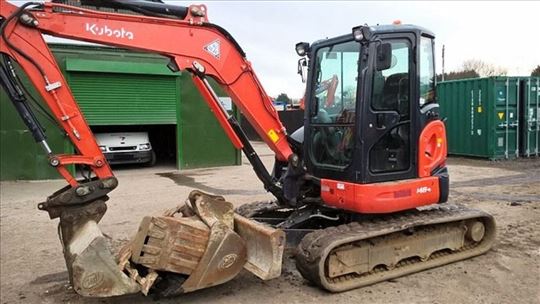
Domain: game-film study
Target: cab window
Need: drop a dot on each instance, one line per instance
(334, 104)
(391, 86)
(427, 72)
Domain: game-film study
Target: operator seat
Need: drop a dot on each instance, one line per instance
(396, 93)
(325, 139)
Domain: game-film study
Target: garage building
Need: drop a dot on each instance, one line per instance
(120, 90)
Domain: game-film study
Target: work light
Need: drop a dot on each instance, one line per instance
(302, 48)
(361, 33)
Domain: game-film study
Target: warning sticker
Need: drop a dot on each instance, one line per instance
(501, 115)
(273, 135)
(214, 48)
(479, 109)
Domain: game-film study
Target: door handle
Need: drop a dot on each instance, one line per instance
(380, 124)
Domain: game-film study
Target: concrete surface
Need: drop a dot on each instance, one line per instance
(33, 269)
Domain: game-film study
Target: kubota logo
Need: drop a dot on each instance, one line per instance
(109, 32)
(227, 261)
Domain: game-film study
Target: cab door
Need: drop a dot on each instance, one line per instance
(331, 119)
(388, 132)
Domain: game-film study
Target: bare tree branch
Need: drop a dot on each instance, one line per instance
(536, 71)
(483, 69)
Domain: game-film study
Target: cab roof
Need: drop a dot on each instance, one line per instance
(384, 29)
(398, 28)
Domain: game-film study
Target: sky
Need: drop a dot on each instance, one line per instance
(498, 32)
(502, 33)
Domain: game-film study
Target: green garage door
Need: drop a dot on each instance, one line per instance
(122, 95)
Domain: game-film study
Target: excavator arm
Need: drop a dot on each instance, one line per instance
(192, 44)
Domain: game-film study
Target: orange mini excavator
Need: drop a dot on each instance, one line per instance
(360, 189)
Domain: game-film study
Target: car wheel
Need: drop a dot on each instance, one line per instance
(152, 161)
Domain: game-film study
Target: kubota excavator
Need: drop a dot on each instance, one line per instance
(360, 189)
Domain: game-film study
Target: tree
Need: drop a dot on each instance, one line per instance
(458, 75)
(284, 97)
(474, 68)
(536, 71)
(482, 68)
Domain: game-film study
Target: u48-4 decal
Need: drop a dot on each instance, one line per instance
(423, 190)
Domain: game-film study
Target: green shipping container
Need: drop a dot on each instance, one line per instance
(485, 116)
(530, 112)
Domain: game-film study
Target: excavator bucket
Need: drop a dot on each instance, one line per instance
(206, 243)
(93, 269)
(264, 244)
(265, 247)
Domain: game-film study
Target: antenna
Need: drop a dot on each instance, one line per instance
(443, 62)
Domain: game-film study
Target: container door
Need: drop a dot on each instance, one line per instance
(478, 131)
(467, 105)
(531, 114)
(537, 121)
(527, 123)
(507, 117)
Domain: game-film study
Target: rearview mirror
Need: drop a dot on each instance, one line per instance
(302, 68)
(384, 56)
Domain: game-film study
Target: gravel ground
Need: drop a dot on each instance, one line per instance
(33, 269)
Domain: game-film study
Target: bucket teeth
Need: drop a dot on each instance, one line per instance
(165, 254)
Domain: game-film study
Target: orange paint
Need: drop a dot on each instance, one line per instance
(432, 148)
(385, 197)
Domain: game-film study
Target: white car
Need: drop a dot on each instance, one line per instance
(126, 148)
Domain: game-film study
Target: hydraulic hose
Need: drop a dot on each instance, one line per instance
(17, 13)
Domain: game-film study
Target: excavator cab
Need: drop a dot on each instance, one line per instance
(374, 120)
(365, 127)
